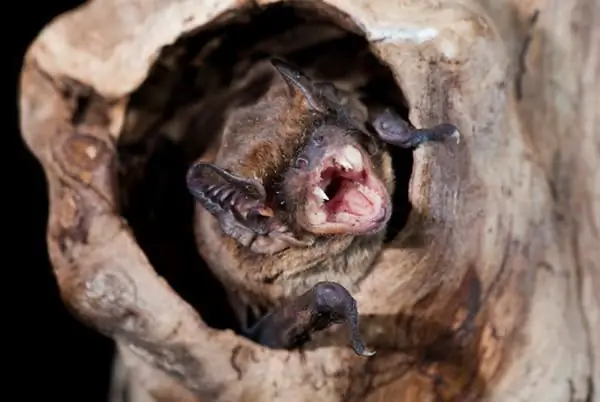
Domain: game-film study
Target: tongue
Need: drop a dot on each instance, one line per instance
(355, 202)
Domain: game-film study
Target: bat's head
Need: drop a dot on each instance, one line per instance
(335, 183)
(322, 172)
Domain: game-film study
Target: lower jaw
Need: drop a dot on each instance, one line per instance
(377, 224)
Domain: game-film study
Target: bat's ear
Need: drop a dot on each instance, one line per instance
(227, 196)
(217, 189)
(239, 205)
(300, 84)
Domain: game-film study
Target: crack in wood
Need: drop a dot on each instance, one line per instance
(522, 67)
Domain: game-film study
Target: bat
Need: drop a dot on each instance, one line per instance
(295, 192)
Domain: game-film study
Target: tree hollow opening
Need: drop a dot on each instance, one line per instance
(182, 104)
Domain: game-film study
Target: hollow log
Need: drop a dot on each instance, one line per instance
(489, 292)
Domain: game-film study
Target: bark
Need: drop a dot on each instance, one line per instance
(488, 293)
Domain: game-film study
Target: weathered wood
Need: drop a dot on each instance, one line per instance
(488, 293)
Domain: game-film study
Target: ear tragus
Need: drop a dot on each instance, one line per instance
(299, 82)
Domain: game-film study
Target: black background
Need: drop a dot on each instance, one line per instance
(53, 355)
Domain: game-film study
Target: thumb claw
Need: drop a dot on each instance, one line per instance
(367, 353)
(360, 349)
(456, 134)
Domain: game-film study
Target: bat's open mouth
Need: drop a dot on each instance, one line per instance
(345, 196)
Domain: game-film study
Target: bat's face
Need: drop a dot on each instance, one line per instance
(334, 185)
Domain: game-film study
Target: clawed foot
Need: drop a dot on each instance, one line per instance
(292, 323)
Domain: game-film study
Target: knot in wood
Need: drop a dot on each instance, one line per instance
(108, 298)
(84, 153)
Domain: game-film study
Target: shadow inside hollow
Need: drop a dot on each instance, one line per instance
(160, 212)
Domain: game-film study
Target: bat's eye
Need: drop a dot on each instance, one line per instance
(371, 147)
(318, 139)
(301, 163)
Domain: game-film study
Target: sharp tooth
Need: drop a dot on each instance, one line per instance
(318, 191)
(345, 164)
(353, 156)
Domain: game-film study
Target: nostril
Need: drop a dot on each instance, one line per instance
(301, 163)
(318, 139)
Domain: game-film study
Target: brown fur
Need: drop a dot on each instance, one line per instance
(260, 141)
